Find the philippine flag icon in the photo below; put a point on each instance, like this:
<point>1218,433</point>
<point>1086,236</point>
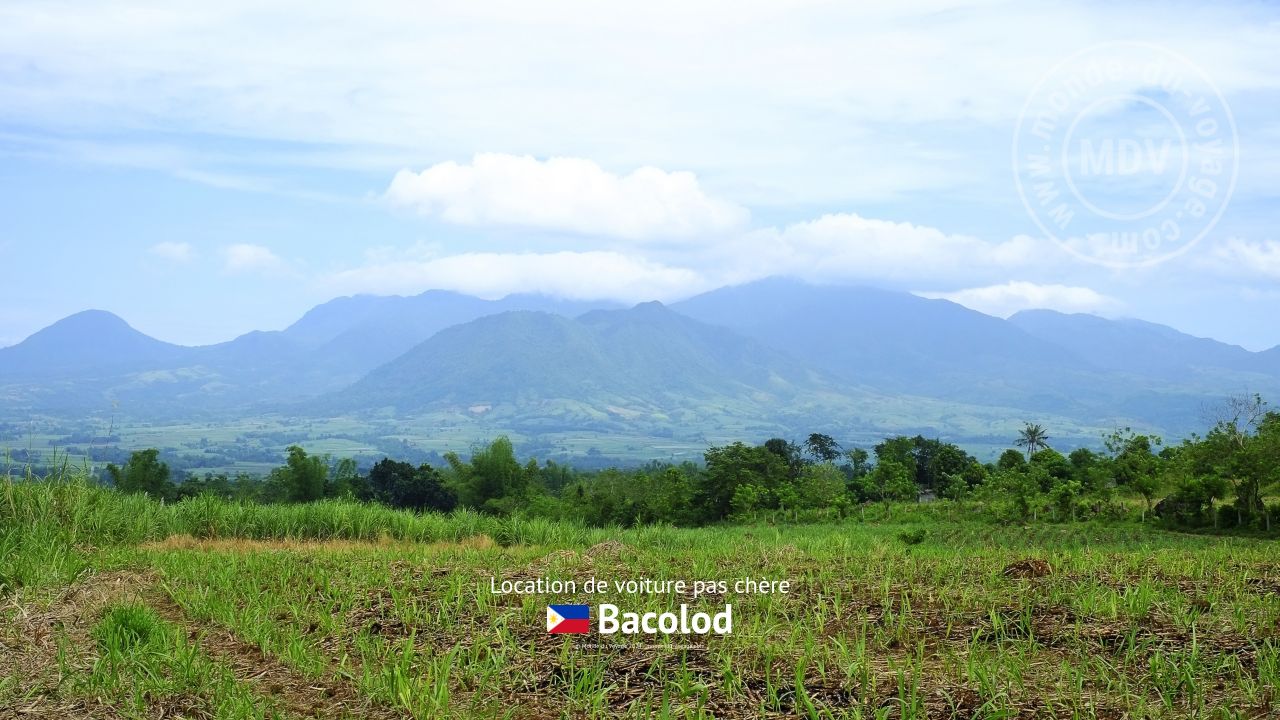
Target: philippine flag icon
<point>568,618</point>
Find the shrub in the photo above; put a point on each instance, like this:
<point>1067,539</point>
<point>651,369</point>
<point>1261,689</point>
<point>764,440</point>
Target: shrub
<point>915,536</point>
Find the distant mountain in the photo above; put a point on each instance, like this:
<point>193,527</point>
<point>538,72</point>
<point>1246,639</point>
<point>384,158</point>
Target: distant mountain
<point>378,330</point>
<point>337,342</point>
<point>1137,346</point>
<point>891,340</point>
<point>1104,372</point>
<point>328,320</point>
<point>77,363</point>
<point>656,348</point>
<point>92,343</point>
<point>769,356</point>
<point>97,358</point>
<point>253,351</point>
<point>329,347</point>
<point>643,362</point>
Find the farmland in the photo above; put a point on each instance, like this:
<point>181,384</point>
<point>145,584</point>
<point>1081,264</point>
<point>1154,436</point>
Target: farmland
<point>122,606</point>
<point>253,443</point>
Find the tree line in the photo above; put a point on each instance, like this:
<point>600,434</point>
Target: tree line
<point>1216,480</point>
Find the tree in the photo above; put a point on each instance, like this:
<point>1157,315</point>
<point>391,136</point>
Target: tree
<point>822,447</point>
<point>1135,465</point>
<point>493,481</point>
<point>738,464</point>
<point>1191,503</point>
<point>1245,436</point>
<point>856,471</point>
<point>304,477</point>
<point>892,455</point>
<point>1011,460</point>
<point>347,482</point>
<point>789,452</point>
<point>893,482</point>
<point>954,487</point>
<point>143,473</point>
<point>555,476</point>
<point>217,485</point>
<point>1054,468</point>
<point>425,490</point>
<point>1033,437</point>
<point>746,501</point>
<point>1090,470</point>
<point>899,448</point>
<point>975,473</point>
<point>1064,498</point>
<point>401,485</point>
<point>787,499</point>
<point>1017,490</point>
<point>859,462</point>
<point>670,496</point>
<point>822,486</point>
<point>386,477</point>
<point>246,487</point>
<point>937,460</point>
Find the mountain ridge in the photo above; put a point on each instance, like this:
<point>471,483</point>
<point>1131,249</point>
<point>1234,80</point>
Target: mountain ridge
<point>1136,345</point>
<point>647,353</point>
<point>300,331</point>
<point>735,349</point>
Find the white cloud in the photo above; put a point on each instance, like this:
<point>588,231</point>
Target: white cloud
<point>832,248</point>
<point>562,193</point>
<point>847,246</point>
<point>1008,298</point>
<point>1237,256</point>
<point>575,275</point>
<point>244,257</point>
<point>179,252</point>
<point>803,99</point>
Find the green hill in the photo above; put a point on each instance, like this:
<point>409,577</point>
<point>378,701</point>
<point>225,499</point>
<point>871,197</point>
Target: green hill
<point>644,360</point>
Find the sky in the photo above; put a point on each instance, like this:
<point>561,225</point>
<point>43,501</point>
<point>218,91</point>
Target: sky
<point>206,169</point>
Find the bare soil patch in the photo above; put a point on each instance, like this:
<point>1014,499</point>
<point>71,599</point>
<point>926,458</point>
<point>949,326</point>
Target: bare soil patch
<point>30,638</point>
<point>1027,568</point>
<point>30,654</point>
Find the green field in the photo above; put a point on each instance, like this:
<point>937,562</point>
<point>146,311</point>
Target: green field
<point>119,606</point>
<point>201,446</point>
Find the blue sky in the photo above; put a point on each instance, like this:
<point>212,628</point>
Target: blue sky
<point>205,169</point>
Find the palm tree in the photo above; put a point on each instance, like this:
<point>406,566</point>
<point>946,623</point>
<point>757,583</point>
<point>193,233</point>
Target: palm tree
<point>1033,437</point>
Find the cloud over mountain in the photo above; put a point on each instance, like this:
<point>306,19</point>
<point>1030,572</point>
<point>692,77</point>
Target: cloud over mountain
<point>593,275</point>
<point>1008,298</point>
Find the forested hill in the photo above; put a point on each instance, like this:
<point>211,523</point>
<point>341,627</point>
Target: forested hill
<point>772,355</point>
<point>645,359</point>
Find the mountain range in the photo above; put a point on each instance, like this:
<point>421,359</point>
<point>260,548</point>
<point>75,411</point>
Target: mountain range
<point>774,355</point>
<point>94,358</point>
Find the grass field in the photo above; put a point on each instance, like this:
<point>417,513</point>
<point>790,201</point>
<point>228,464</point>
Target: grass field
<point>118,606</point>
